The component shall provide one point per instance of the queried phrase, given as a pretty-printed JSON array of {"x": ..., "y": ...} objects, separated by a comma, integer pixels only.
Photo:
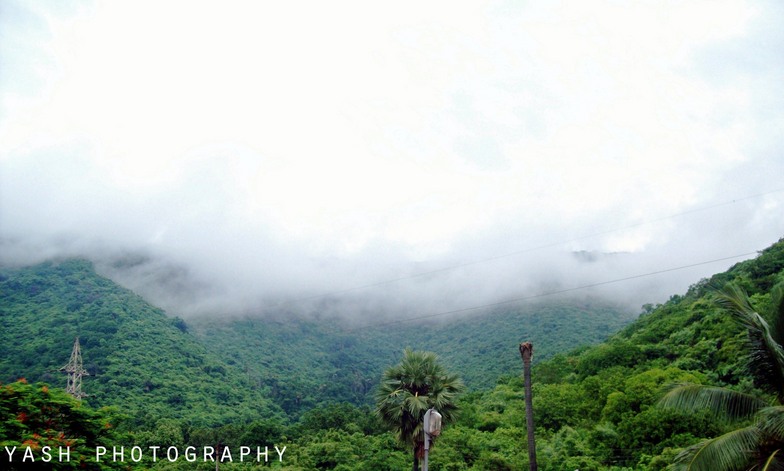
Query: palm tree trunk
[
  {"x": 527, "y": 351},
  {"x": 416, "y": 460}
]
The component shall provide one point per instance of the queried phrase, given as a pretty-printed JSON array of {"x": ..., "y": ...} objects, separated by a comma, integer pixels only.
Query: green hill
[
  {"x": 595, "y": 406},
  {"x": 142, "y": 360},
  {"x": 304, "y": 363},
  {"x": 216, "y": 370}
]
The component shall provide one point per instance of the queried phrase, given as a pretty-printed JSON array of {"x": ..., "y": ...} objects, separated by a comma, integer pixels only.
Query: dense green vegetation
[
  {"x": 43, "y": 428},
  {"x": 596, "y": 407},
  {"x": 759, "y": 438},
  {"x": 208, "y": 370},
  {"x": 140, "y": 358},
  {"x": 243, "y": 381},
  {"x": 304, "y": 363}
]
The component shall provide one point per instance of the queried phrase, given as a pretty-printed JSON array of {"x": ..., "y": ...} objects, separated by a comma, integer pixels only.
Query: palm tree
[
  {"x": 758, "y": 442},
  {"x": 408, "y": 390}
]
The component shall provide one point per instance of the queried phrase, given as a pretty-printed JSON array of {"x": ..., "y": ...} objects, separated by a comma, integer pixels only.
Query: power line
[
  {"x": 545, "y": 294},
  {"x": 523, "y": 251}
]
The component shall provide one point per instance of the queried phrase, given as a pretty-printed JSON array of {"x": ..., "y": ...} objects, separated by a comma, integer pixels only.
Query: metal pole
[
  {"x": 432, "y": 428},
  {"x": 426, "y": 435}
]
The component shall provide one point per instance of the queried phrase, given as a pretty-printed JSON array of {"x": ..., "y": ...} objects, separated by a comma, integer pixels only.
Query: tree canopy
[
  {"x": 419, "y": 382},
  {"x": 758, "y": 445}
]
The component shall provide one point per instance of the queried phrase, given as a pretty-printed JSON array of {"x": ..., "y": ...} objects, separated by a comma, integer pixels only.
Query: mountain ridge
[{"x": 298, "y": 362}]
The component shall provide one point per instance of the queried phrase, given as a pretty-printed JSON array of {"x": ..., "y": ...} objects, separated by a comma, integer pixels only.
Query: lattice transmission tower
[{"x": 75, "y": 372}]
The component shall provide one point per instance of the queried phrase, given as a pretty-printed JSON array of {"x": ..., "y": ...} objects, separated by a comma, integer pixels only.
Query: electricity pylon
[{"x": 75, "y": 372}]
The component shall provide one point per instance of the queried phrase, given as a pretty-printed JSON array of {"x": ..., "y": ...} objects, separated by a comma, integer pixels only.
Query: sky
[{"x": 428, "y": 155}]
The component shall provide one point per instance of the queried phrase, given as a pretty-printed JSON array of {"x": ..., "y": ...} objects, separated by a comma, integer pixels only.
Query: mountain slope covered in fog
[
  {"x": 220, "y": 369},
  {"x": 306, "y": 362},
  {"x": 595, "y": 406}
]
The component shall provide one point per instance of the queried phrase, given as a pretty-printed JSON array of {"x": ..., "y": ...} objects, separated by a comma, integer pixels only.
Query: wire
[
  {"x": 522, "y": 251},
  {"x": 547, "y": 293}
]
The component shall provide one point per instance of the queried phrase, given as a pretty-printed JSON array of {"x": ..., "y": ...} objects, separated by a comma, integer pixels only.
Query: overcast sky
[{"x": 285, "y": 149}]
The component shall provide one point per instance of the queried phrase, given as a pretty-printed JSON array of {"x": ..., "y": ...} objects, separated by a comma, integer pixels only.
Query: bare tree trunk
[{"x": 527, "y": 352}]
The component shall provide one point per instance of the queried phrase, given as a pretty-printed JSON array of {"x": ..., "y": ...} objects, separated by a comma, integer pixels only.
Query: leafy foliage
[
  {"x": 138, "y": 357},
  {"x": 59, "y": 431},
  {"x": 306, "y": 363},
  {"x": 595, "y": 406},
  {"x": 418, "y": 383},
  {"x": 759, "y": 444}
]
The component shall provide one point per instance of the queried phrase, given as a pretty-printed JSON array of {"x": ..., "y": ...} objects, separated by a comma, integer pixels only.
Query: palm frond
[
  {"x": 773, "y": 462},
  {"x": 777, "y": 314},
  {"x": 732, "y": 451},
  {"x": 412, "y": 387},
  {"x": 771, "y": 423},
  {"x": 725, "y": 403},
  {"x": 734, "y": 298},
  {"x": 766, "y": 355},
  {"x": 416, "y": 405}
]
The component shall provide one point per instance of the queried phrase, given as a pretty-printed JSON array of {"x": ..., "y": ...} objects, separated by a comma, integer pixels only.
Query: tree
[
  {"x": 408, "y": 390},
  {"x": 56, "y": 430},
  {"x": 758, "y": 444}
]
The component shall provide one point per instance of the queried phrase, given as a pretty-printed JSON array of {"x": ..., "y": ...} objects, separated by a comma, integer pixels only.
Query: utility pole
[
  {"x": 527, "y": 352},
  {"x": 75, "y": 372}
]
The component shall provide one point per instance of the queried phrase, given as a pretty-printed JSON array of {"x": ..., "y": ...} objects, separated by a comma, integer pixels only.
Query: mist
[
  {"x": 265, "y": 277},
  {"x": 416, "y": 162}
]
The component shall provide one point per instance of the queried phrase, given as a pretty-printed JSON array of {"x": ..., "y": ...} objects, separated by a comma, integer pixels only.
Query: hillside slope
[
  {"x": 595, "y": 407},
  {"x": 216, "y": 370},
  {"x": 303, "y": 363},
  {"x": 141, "y": 359}
]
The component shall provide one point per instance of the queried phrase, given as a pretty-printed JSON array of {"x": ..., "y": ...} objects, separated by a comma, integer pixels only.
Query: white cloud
[{"x": 224, "y": 132}]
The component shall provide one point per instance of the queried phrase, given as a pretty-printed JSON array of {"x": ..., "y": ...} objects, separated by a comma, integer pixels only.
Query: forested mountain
[
  {"x": 139, "y": 356},
  {"x": 302, "y": 363},
  {"x": 140, "y": 359},
  {"x": 596, "y": 407}
]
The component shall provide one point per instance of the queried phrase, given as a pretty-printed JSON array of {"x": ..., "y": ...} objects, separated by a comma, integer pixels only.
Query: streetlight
[{"x": 432, "y": 428}]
